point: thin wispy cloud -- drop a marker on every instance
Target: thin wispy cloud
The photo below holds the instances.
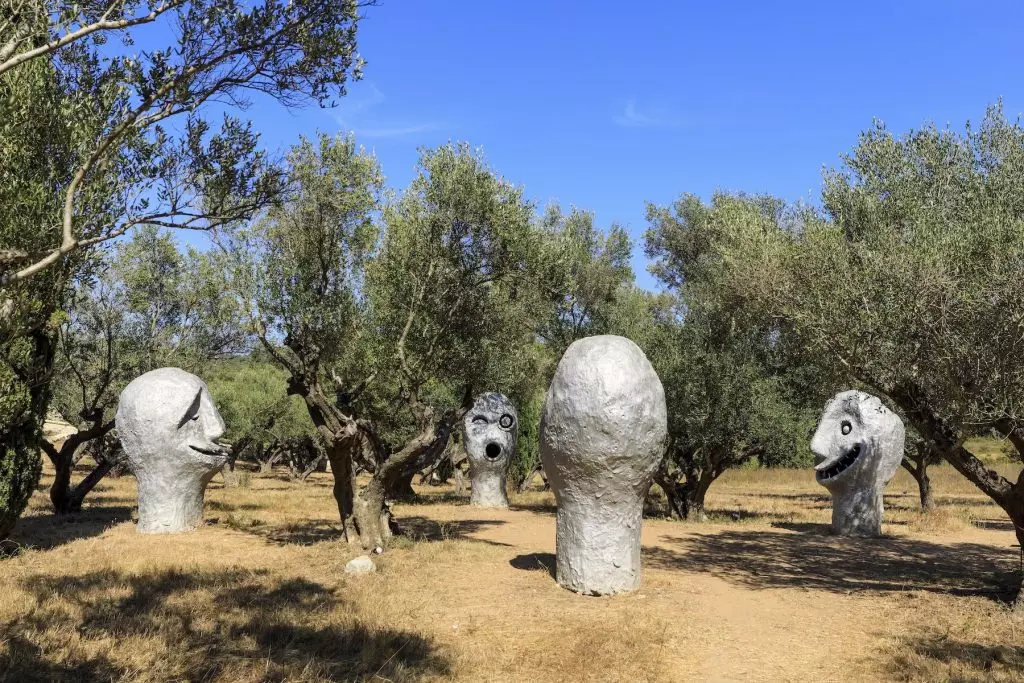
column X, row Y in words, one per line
column 397, row 131
column 650, row 117
column 360, row 115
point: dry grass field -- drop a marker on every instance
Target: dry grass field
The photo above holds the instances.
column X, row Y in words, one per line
column 761, row 592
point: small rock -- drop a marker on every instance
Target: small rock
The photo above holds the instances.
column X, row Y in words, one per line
column 360, row 565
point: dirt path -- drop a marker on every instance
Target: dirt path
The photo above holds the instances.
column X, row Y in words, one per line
column 749, row 602
column 762, row 593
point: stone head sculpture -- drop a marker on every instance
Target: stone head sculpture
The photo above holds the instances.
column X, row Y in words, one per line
column 602, row 435
column 167, row 423
column 490, row 432
column 857, row 447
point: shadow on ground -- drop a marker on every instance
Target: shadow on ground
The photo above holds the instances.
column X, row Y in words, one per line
column 945, row 658
column 308, row 532
column 426, row 529
column 202, row 625
column 535, row 562
column 48, row 531
column 817, row 560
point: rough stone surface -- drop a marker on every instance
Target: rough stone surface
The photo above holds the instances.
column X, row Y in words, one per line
column 360, row 565
column 490, row 435
column 857, row 447
column 602, row 435
column 167, row 423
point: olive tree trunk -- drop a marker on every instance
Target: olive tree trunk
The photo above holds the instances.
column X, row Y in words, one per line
column 1005, row 493
column 919, row 471
column 65, row 497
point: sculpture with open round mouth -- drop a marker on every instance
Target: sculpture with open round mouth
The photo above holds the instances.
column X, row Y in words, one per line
column 602, row 435
column 168, row 424
column 490, row 434
column 858, row 446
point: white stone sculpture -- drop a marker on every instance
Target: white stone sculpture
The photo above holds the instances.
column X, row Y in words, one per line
column 857, row 447
column 167, row 423
column 602, row 435
column 490, row 432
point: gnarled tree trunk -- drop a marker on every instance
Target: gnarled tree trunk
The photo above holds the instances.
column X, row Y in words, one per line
column 1008, row 495
column 65, row 497
column 919, row 471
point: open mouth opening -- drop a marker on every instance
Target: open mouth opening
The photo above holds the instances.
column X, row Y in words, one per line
column 841, row 465
column 492, row 451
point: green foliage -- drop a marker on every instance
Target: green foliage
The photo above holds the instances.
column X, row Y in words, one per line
column 85, row 156
column 247, row 391
column 306, row 258
column 911, row 282
column 527, row 456
column 447, row 303
column 727, row 369
column 191, row 174
column 38, row 142
column 152, row 306
column 444, row 287
column 579, row 274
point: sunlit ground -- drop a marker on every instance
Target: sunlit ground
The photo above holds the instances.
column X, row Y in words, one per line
column 761, row 592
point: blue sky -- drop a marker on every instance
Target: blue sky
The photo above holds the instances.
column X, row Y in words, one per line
column 606, row 106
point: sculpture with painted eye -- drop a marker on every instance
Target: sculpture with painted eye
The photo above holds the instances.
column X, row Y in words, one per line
column 490, row 435
column 858, row 446
column 167, row 424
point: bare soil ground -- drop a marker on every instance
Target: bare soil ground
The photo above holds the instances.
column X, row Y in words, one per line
column 761, row 592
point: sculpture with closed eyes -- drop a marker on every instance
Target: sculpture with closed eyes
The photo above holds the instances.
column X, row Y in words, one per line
column 167, row 424
column 491, row 434
column 858, row 447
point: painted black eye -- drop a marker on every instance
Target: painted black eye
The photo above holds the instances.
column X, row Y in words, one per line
column 847, row 427
column 479, row 420
column 506, row 421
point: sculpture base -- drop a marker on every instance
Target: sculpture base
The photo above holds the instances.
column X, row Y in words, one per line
column 170, row 510
column 598, row 547
column 488, row 490
column 857, row 513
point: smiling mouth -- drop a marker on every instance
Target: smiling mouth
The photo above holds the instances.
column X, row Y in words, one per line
column 840, row 465
column 212, row 451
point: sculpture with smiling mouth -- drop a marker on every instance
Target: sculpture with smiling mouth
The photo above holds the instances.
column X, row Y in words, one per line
column 490, row 432
column 857, row 447
column 167, row 423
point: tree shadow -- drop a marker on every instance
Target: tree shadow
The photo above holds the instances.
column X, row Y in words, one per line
column 812, row 497
column 48, row 531
column 542, row 508
column 435, row 498
column 942, row 656
column 766, row 559
column 426, row 529
column 963, row 501
column 218, row 506
column 309, row 532
column 203, row 625
column 535, row 562
column 995, row 524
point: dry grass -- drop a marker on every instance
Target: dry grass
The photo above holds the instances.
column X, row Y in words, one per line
column 762, row 592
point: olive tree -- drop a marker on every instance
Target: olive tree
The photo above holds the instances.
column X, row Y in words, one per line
column 730, row 382
column 387, row 339
column 150, row 307
column 579, row 273
column 95, row 140
column 918, row 456
column 910, row 283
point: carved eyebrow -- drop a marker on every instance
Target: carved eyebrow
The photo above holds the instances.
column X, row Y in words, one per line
column 192, row 411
